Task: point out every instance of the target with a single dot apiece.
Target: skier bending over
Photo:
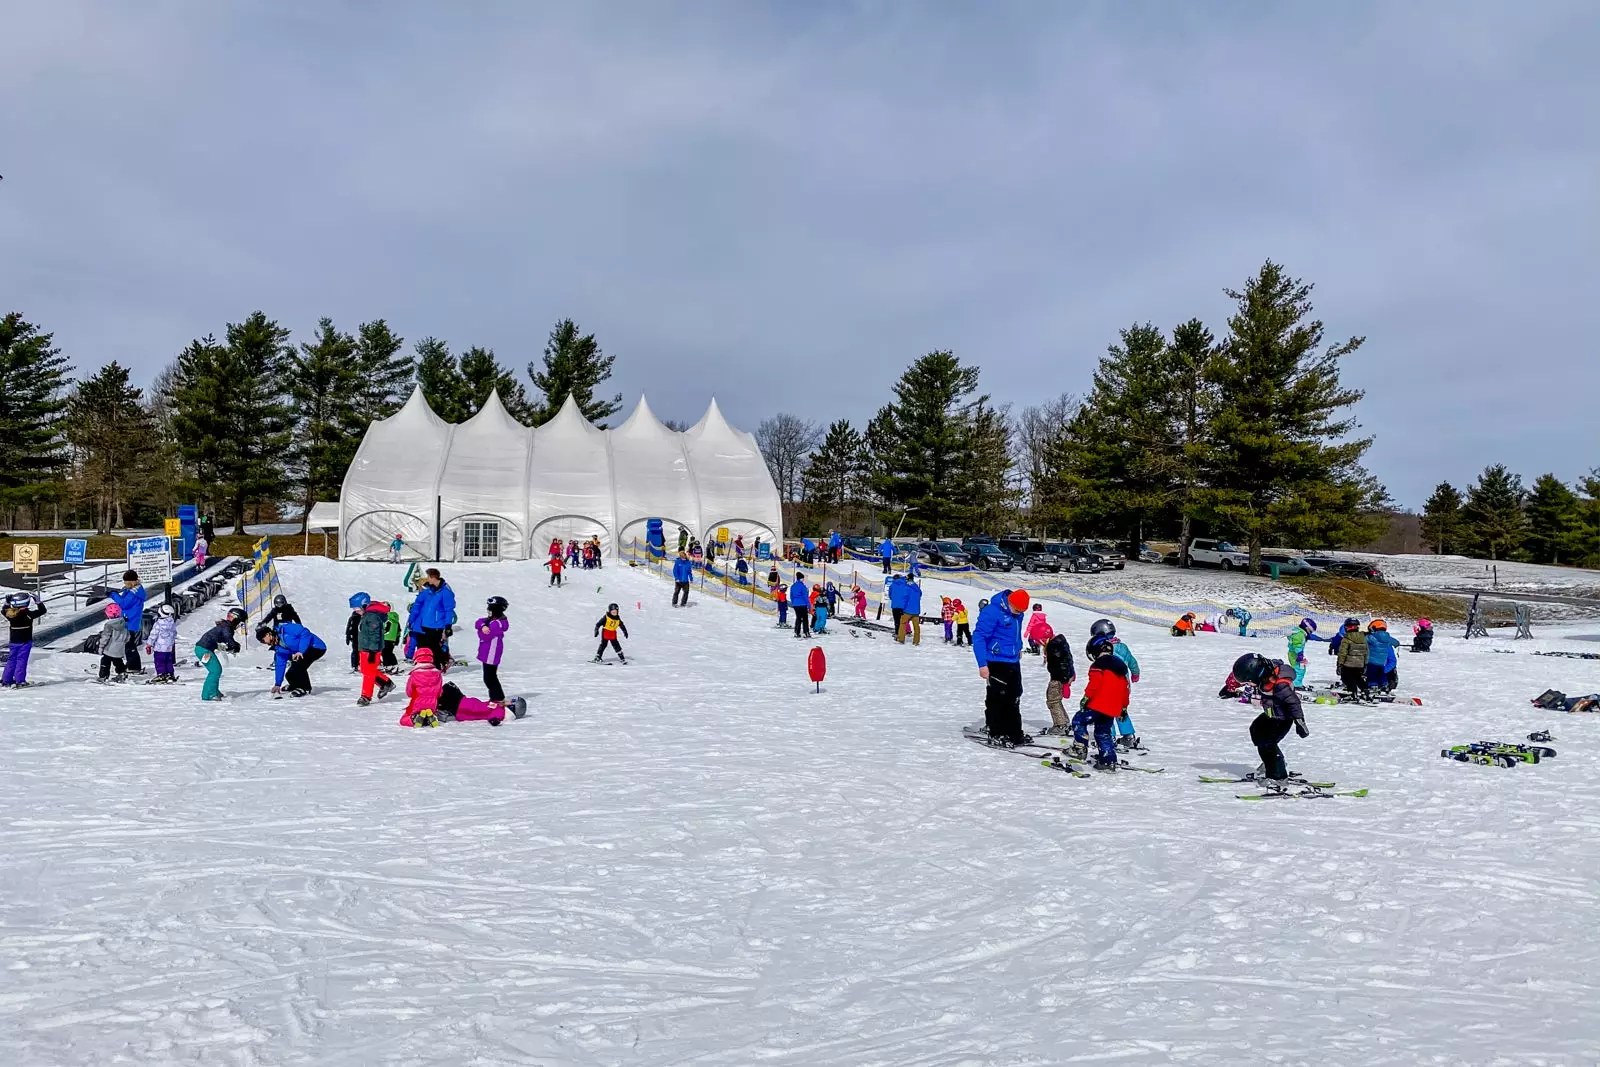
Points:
(295, 649)
(606, 629)
(1280, 710)
(208, 651)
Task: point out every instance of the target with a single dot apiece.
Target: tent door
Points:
(480, 540)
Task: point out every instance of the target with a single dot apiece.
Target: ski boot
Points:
(1064, 730)
(362, 702)
(425, 717)
(1078, 750)
(1101, 763)
(1130, 743)
(299, 692)
(597, 659)
(384, 689)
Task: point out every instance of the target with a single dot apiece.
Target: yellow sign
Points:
(722, 535)
(25, 559)
(174, 527)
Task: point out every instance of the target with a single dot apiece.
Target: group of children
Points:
(575, 554)
(811, 605)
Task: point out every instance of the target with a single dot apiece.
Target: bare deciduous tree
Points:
(786, 442)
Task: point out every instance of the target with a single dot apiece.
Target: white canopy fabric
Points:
(426, 479)
(324, 516)
(392, 484)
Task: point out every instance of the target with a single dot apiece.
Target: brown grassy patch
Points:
(1352, 596)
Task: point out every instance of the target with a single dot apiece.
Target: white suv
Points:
(1206, 552)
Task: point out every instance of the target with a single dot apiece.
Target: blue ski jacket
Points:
(835, 541)
(897, 592)
(292, 639)
(131, 601)
(911, 598)
(683, 570)
(886, 550)
(1125, 654)
(1380, 645)
(998, 636)
(799, 594)
(434, 609)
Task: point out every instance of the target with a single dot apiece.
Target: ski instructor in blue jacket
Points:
(886, 550)
(997, 646)
(432, 612)
(682, 575)
(295, 649)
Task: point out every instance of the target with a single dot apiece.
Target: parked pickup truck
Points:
(1205, 552)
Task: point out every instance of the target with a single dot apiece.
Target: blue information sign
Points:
(77, 550)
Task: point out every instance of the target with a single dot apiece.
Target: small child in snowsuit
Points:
(1127, 736)
(858, 597)
(113, 644)
(606, 629)
(555, 565)
(947, 613)
(456, 705)
(1039, 630)
(352, 629)
(1380, 652)
(1352, 661)
(391, 637)
(1307, 630)
(422, 687)
(1242, 616)
(1058, 661)
(1280, 713)
(1184, 627)
(1105, 700)
(1422, 636)
(395, 548)
(780, 596)
(200, 548)
(819, 610)
(208, 651)
(370, 645)
(491, 631)
(22, 611)
(963, 623)
(164, 643)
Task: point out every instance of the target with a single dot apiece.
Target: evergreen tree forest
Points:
(250, 424)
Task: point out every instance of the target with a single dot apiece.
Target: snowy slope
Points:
(695, 859)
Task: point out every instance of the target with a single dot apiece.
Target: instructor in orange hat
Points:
(997, 646)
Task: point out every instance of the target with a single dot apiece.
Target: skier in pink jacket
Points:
(1039, 631)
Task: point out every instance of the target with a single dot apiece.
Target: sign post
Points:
(152, 558)
(25, 559)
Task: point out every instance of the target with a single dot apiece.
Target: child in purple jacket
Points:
(491, 643)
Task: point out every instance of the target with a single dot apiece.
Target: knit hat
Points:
(1019, 600)
(423, 655)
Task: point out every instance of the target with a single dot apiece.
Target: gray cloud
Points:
(786, 204)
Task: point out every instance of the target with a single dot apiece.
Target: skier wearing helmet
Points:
(113, 644)
(491, 630)
(163, 645)
(1105, 700)
(1352, 659)
(997, 646)
(22, 610)
(1127, 735)
(283, 611)
(423, 686)
(352, 627)
(609, 626)
(1380, 655)
(1281, 711)
(1422, 636)
(1306, 631)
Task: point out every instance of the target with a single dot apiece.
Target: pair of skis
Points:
(1052, 756)
(1294, 787)
(1497, 753)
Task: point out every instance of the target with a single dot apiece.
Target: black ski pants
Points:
(491, 682)
(107, 662)
(389, 659)
(1354, 678)
(963, 634)
(614, 643)
(296, 676)
(680, 589)
(1265, 733)
(433, 641)
(131, 656)
(1002, 710)
(802, 620)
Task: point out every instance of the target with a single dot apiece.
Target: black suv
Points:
(1075, 558)
(988, 557)
(1031, 556)
(942, 553)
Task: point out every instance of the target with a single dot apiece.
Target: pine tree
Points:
(33, 382)
(1277, 452)
(325, 385)
(1441, 519)
(440, 379)
(1555, 522)
(383, 374)
(929, 421)
(575, 366)
(481, 373)
(985, 493)
(112, 439)
(1495, 523)
(1587, 536)
(1191, 398)
(200, 421)
(833, 477)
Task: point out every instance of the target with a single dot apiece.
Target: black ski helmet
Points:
(17, 600)
(1103, 626)
(1252, 668)
(498, 605)
(610, 608)
(236, 617)
(1099, 645)
(279, 601)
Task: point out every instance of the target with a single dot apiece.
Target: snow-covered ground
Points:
(1462, 572)
(696, 859)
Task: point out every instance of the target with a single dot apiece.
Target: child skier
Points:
(606, 629)
(1307, 630)
(555, 565)
(491, 644)
(780, 597)
(456, 705)
(22, 610)
(423, 685)
(352, 628)
(858, 597)
(1039, 630)
(1352, 661)
(1058, 661)
(947, 614)
(1184, 627)
(208, 651)
(963, 628)
(819, 610)
(282, 612)
(200, 547)
(295, 649)
(1127, 736)
(1422, 636)
(1105, 700)
(1242, 616)
(113, 644)
(391, 637)
(1380, 648)
(1280, 712)
(370, 643)
(163, 645)
(396, 546)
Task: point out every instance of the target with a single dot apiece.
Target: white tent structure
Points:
(492, 488)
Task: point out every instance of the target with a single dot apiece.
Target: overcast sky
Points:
(785, 204)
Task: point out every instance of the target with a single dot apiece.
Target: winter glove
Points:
(149, 651)
(1301, 729)
(1134, 679)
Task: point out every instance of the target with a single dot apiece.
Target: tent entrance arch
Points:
(749, 528)
(635, 530)
(482, 535)
(367, 535)
(568, 528)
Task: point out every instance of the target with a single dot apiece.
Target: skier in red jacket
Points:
(1105, 700)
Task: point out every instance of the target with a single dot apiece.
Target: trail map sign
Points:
(151, 557)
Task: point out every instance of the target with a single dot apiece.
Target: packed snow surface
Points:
(698, 859)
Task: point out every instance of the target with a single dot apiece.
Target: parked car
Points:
(943, 554)
(861, 544)
(990, 557)
(1031, 556)
(1288, 564)
(1150, 555)
(1111, 557)
(1208, 552)
(1171, 559)
(1355, 568)
(978, 539)
(1075, 557)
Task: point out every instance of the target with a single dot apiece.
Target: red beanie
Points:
(1019, 600)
